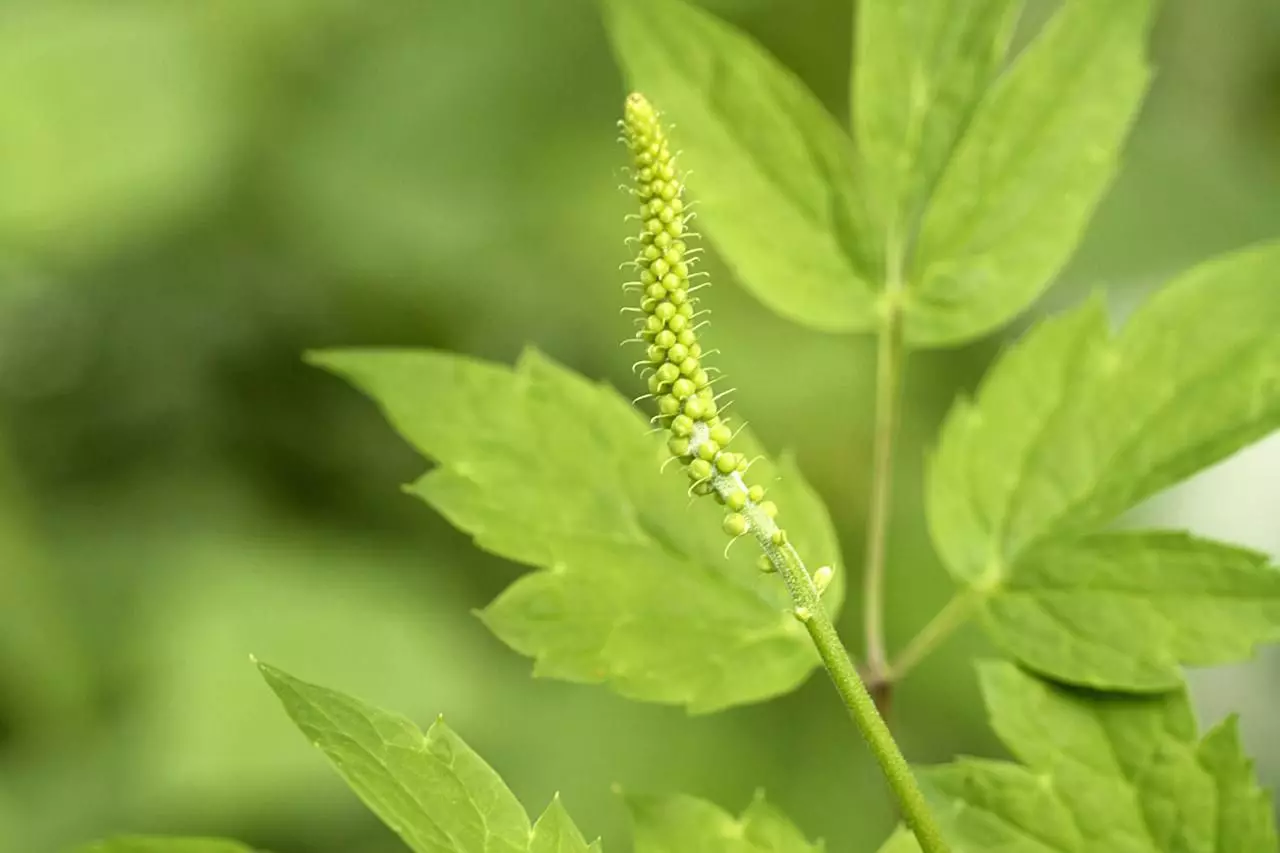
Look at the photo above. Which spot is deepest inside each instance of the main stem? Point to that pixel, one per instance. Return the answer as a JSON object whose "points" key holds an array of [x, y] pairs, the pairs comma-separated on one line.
{"points": [[862, 708], [889, 363]]}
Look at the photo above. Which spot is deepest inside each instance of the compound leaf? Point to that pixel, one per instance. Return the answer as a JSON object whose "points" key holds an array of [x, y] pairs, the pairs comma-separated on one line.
{"points": [[1023, 180], [775, 175], [920, 70], [1113, 772], [1075, 425], [546, 468]]}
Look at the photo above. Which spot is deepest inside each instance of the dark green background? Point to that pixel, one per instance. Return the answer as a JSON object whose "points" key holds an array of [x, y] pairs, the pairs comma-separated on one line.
{"points": [[193, 192]]}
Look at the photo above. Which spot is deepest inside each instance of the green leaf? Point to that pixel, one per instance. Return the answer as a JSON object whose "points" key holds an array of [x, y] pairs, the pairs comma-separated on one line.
{"points": [[920, 69], [1039, 151], [1110, 772], [432, 790], [1072, 427], [903, 840], [774, 175], [555, 832], [1128, 608], [141, 844], [545, 468], [676, 824]]}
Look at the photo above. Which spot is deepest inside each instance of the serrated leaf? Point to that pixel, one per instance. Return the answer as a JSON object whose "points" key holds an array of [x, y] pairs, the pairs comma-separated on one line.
{"points": [[1037, 155], [1244, 810], [1073, 426], [774, 175], [678, 823], [1113, 772], [555, 832], [1129, 608], [920, 69], [433, 790], [156, 844], [545, 468]]}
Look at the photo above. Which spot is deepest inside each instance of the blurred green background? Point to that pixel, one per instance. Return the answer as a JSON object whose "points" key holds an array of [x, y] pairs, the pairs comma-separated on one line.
{"points": [[194, 192]]}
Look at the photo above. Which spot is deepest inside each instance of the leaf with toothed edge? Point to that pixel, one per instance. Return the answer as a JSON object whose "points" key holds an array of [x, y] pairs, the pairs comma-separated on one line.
{"points": [[920, 70], [1073, 426], [555, 832], [1037, 154], [1115, 772], [546, 468], [436, 793]]}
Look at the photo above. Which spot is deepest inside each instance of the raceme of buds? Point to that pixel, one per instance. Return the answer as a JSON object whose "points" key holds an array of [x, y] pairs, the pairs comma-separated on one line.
{"points": [[687, 407]]}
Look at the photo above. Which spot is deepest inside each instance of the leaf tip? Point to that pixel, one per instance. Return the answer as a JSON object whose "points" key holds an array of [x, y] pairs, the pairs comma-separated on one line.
{"points": [[321, 358]]}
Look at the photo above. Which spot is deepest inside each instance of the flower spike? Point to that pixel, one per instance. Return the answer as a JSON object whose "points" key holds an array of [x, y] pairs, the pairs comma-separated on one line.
{"points": [[687, 406]]}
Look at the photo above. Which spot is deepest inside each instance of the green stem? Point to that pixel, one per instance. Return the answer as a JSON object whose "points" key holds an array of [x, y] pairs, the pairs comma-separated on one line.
{"points": [[955, 613], [889, 364], [862, 708]]}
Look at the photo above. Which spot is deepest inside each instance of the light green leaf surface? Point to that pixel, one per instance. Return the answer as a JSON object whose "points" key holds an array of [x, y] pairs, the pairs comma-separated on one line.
{"points": [[156, 844], [920, 69], [433, 790], [774, 175], [1075, 425], [546, 468], [1020, 186], [678, 824], [1125, 774], [1128, 608], [555, 832], [902, 841]]}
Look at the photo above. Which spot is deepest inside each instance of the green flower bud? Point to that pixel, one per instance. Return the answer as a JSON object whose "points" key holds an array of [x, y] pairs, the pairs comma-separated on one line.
{"points": [[735, 524], [686, 405], [699, 469]]}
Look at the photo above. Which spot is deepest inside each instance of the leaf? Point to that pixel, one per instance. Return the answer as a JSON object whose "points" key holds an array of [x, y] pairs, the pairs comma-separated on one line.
{"points": [[676, 824], [1072, 427], [432, 790], [903, 840], [1039, 151], [920, 69], [1128, 608], [141, 844], [1112, 772], [555, 832], [545, 468], [774, 175]]}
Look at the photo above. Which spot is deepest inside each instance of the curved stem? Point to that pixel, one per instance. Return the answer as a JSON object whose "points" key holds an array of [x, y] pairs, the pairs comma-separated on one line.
{"points": [[889, 364], [862, 708], [953, 614]]}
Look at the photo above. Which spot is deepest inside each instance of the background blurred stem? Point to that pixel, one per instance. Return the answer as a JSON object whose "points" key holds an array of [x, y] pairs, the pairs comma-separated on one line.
{"points": [[953, 614], [890, 358]]}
